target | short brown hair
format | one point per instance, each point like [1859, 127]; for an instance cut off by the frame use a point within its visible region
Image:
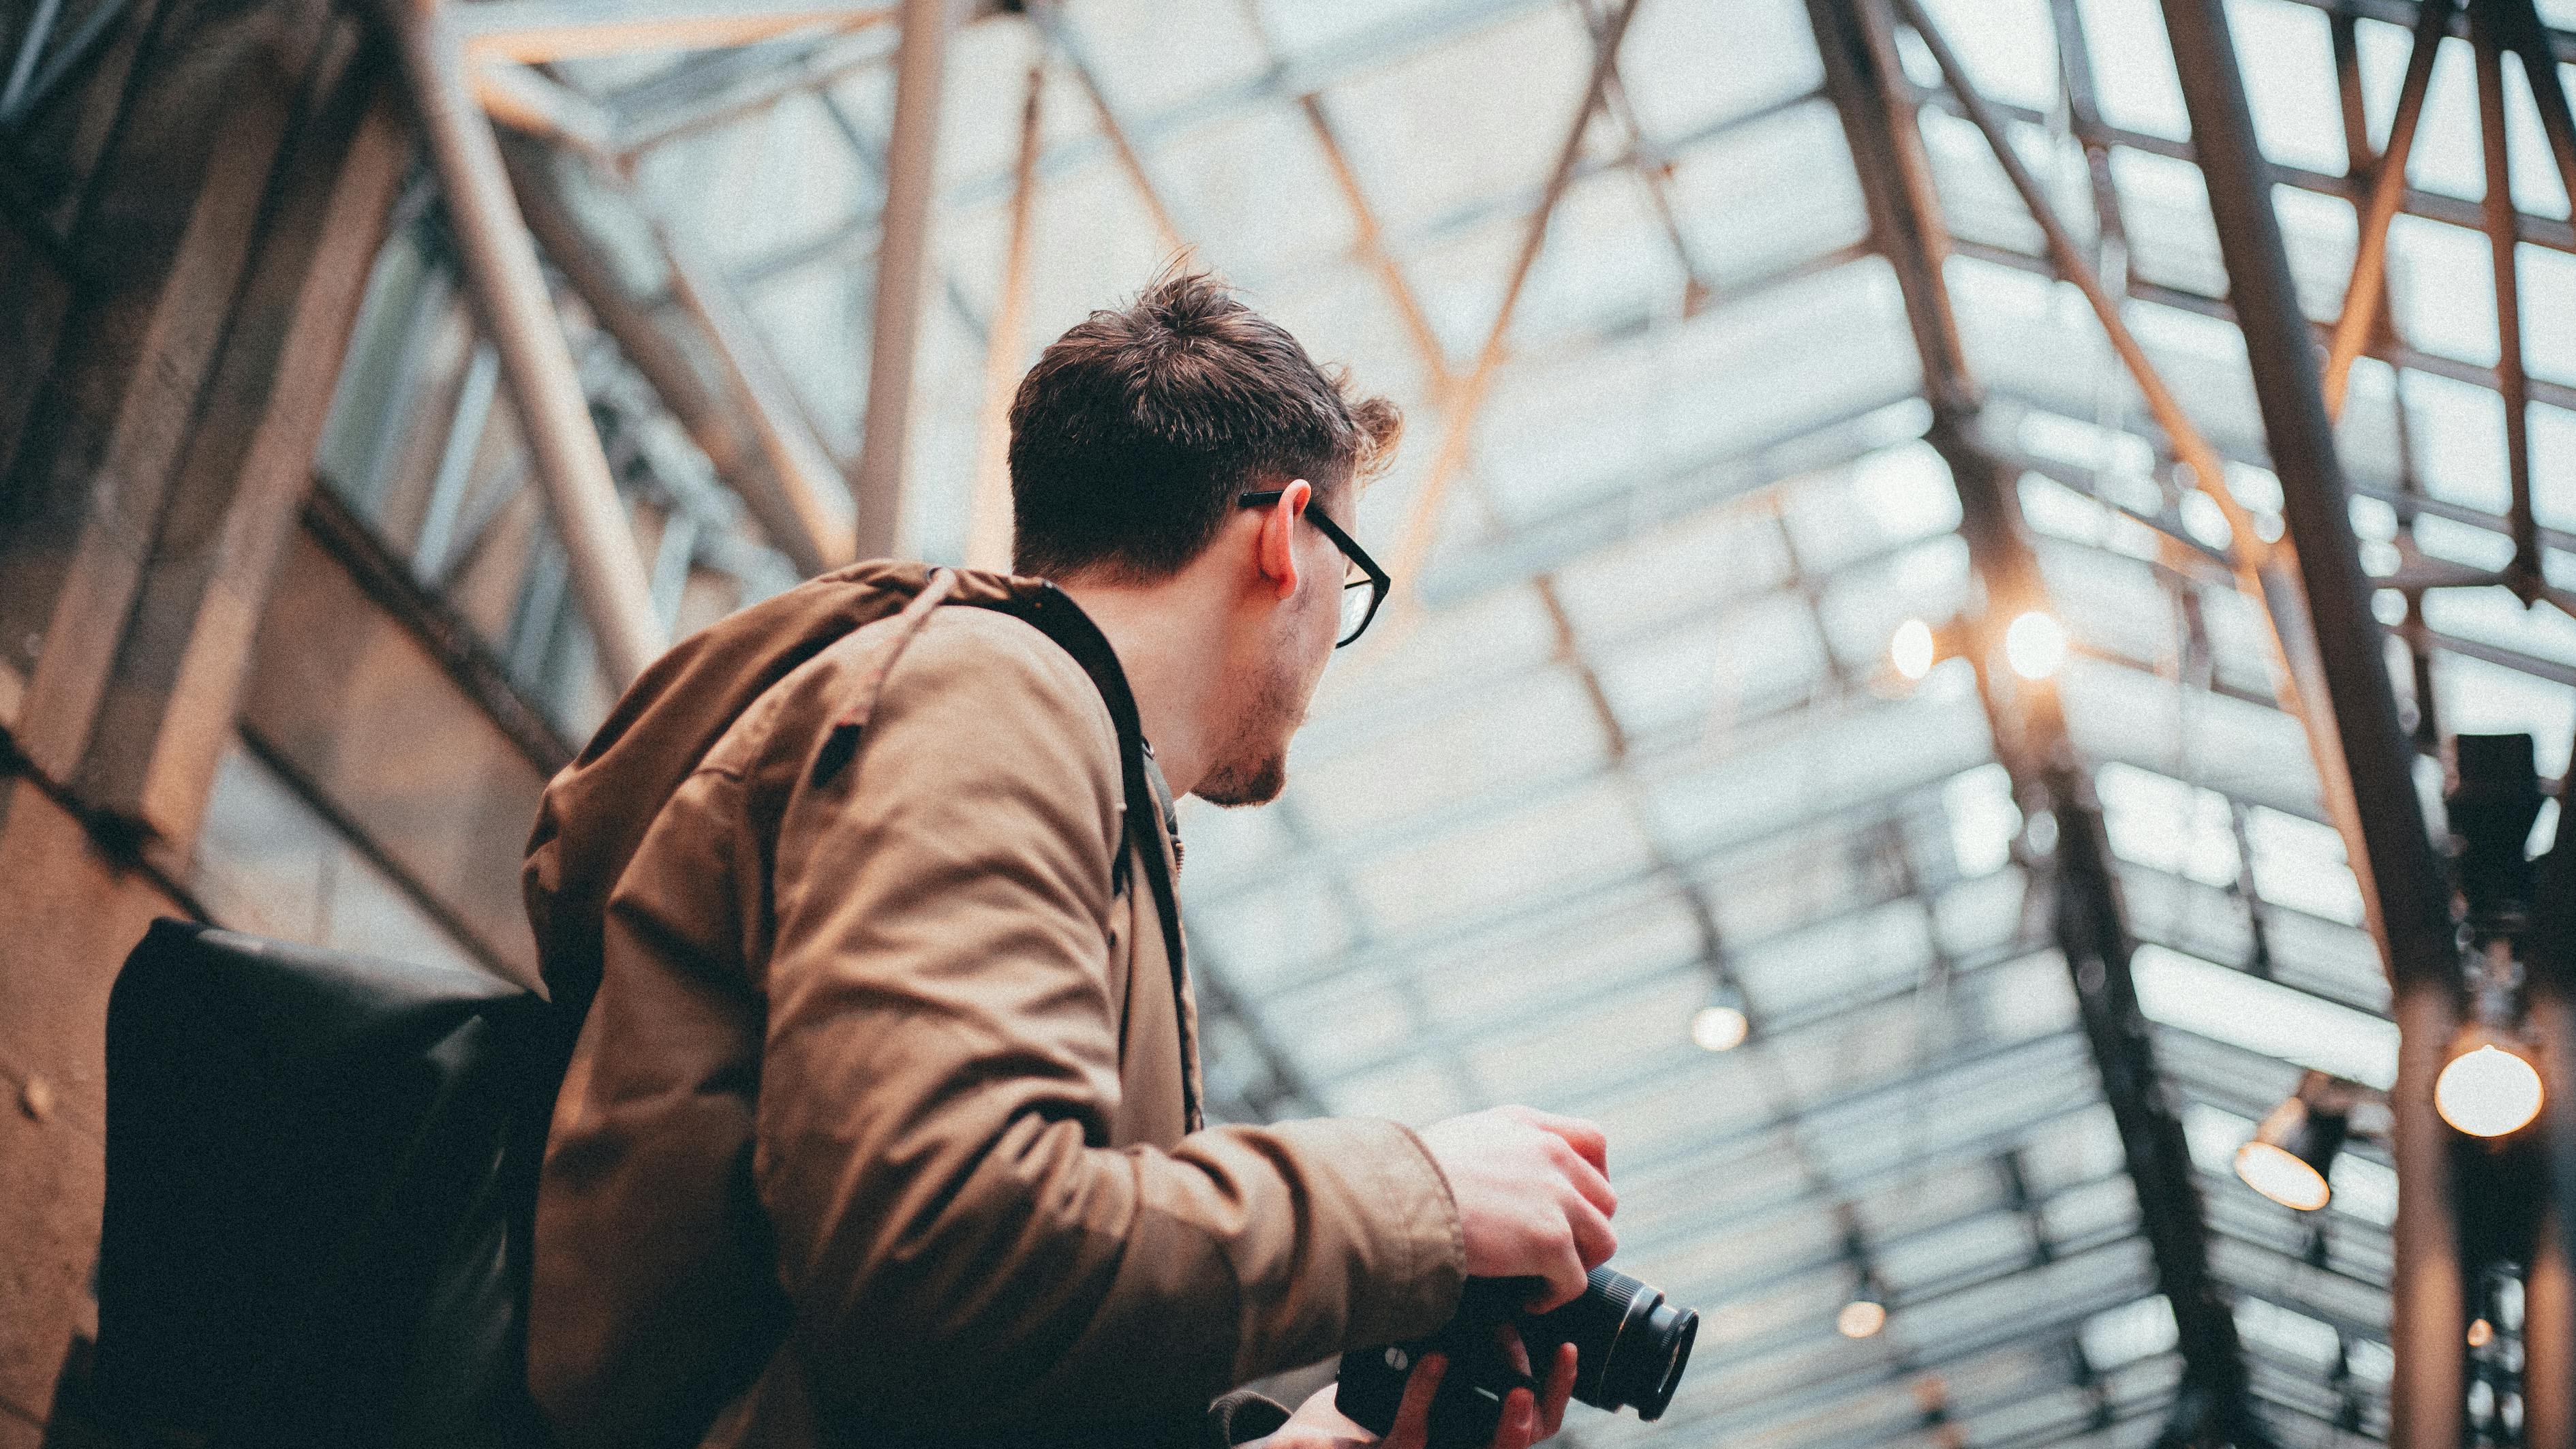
[1137, 428]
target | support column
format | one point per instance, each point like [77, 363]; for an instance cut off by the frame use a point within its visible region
[177, 678]
[2400, 874]
[903, 258]
[223, 230]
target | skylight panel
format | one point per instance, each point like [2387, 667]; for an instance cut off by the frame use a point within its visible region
[1608, 264]
[1864, 606]
[2248, 1012]
[1982, 1244]
[1487, 972]
[2288, 58]
[1980, 915]
[2008, 46]
[1152, 57]
[2477, 697]
[1592, 1041]
[1730, 551]
[1984, 821]
[2168, 825]
[1270, 936]
[1890, 943]
[1763, 52]
[1543, 730]
[1772, 658]
[1228, 176]
[1436, 132]
[1767, 194]
[2439, 277]
[1345, 1025]
[1665, 680]
[2365, 1189]
[2289, 1333]
[2133, 70]
[1416, 1093]
[2091, 1212]
[1826, 762]
[2495, 616]
[2024, 999]
[2130, 1332]
[1512, 860]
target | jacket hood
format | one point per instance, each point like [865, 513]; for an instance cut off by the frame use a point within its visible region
[594, 814]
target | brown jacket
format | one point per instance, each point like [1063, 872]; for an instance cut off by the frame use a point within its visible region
[881, 1126]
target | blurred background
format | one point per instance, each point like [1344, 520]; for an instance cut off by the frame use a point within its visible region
[1941, 547]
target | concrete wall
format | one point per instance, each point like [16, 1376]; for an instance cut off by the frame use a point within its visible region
[180, 262]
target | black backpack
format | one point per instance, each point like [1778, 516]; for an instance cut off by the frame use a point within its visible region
[322, 1169]
[316, 1195]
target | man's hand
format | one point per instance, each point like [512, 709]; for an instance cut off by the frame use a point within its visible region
[1526, 1418]
[1532, 1198]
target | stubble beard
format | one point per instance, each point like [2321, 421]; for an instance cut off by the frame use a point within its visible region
[1257, 769]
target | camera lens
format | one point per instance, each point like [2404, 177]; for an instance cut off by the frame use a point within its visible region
[1631, 1345]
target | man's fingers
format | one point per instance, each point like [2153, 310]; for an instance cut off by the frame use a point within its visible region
[1588, 1141]
[1560, 1390]
[1412, 1426]
[1563, 1281]
[1586, 1178]
[1518, 1428]
[1594, 1239]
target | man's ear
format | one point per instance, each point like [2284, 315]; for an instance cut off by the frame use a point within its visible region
[1278, 547]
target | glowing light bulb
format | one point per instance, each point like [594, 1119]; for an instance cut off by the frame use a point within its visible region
[1719, 1028]
[1861, 1318]
[2481, 1333]
[2035, 645]
[1912, 650]
[2487, 1091]
[2282, 1177]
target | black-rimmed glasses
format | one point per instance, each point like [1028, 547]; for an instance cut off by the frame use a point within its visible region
[1364, 584]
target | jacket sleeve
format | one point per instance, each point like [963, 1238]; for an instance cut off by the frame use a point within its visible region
[942, 1059]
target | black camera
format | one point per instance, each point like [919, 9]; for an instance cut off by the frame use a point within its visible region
[1630, 1348]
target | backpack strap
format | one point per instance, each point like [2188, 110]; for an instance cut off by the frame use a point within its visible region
[1053, 613]
[843, 741]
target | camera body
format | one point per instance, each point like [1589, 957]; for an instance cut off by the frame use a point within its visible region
[1630, 1349]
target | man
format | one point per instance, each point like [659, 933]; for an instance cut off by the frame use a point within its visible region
[883, 1126]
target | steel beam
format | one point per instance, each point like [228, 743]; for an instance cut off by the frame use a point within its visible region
[903, 257]
[1468, 400]
[1060, 38]
[766, 399]
[547, 30]
[2522, 575]
[518, 314]
[2363, 298]
[2402, 880]
[1877, 106]
[649, 346]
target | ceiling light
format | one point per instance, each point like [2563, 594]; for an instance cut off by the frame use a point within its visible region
[1722, 1024]
[1861, 1318]
[2489, 1088]
[2035, 645]
[2293, 1152]
[1913, 651]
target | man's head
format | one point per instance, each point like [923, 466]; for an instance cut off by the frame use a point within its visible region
[1133, 440]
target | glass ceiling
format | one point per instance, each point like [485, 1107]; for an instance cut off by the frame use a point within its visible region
[1634, 731]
